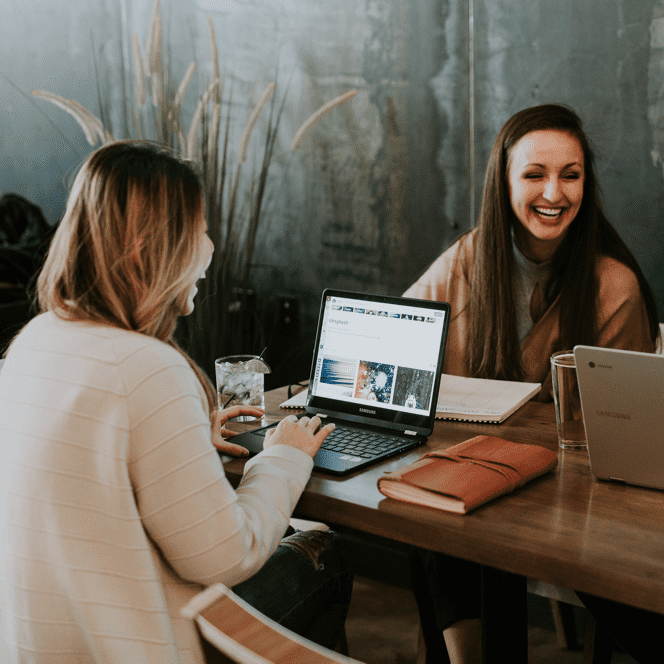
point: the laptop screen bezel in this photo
(420, 424)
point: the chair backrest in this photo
(244, 635)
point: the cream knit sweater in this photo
(114, 505)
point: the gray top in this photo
(527, 274)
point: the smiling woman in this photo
(543, 270)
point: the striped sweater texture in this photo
(114, 505)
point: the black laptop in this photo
(375, 374)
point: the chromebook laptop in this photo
(622, 399)
(375, 373)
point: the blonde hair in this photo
(128, 249)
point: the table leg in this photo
(504, 617)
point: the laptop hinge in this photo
(410, 433)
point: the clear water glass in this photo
(569, 417)
(240, 382)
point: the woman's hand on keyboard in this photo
(304, 434)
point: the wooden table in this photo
(565, 528)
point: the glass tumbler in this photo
(569, 417)
(240, 382)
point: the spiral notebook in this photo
(467, 399)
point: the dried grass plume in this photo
(251, 122)
(315, 117)
(69, 106)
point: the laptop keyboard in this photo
(357, 442)
(361, 443)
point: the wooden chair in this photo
(241, 634)
(597, 644)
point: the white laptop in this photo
(622, 398)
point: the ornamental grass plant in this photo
(225, 319)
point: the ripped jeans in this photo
(305, 586)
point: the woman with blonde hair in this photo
(115, 507)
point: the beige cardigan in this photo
(623, 319)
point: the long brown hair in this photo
(494, 350)
(128, 248)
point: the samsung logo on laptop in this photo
(367, 410)
(615, 416)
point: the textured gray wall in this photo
(45, 45)
(384, 183)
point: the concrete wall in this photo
(390, 179)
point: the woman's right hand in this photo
(302, 434)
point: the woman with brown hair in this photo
(543, 271)
(115, 507)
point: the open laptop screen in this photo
(378, 356)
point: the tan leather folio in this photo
(469, 474)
